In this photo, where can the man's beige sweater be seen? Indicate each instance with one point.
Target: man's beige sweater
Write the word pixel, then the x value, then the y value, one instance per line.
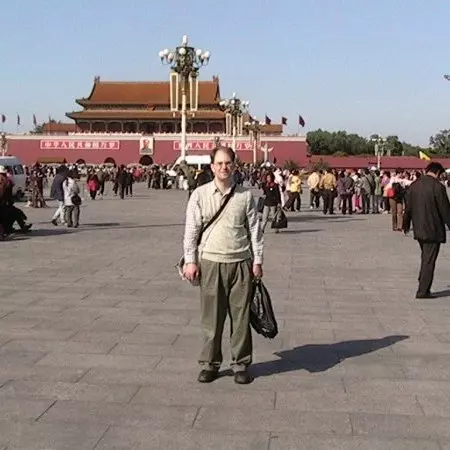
pixel 235 236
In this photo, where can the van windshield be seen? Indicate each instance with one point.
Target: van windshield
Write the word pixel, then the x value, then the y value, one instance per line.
pixel 18 170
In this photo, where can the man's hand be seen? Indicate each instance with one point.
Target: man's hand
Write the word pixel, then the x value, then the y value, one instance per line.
pixel 191 271
pixel 257 271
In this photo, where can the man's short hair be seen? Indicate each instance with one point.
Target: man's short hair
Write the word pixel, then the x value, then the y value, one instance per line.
pixel 435 167
pixel 229 151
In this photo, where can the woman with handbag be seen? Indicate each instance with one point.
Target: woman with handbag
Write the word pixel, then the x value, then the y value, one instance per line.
pixel 272 199
pixel 72 201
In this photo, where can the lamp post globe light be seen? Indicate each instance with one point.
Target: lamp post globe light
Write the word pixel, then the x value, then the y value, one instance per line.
pixel 234 108
pixel 254 130
pixel 186 61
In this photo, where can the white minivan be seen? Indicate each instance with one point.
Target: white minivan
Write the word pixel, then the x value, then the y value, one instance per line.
pixel 17 172
pixel 194 160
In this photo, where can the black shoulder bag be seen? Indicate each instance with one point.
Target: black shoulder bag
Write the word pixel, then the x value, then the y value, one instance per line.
pixel 180 264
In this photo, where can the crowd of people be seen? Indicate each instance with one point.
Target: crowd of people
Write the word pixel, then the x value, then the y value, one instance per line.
pixel 366 191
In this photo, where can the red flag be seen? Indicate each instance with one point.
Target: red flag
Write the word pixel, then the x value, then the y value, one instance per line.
pixel 301 121
pixel 267 120
pixel 3 118
pixel 34 120
pixel 18 120
pixel 283 121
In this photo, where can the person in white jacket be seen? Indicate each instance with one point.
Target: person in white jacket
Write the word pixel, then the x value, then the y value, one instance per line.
pixel 72 201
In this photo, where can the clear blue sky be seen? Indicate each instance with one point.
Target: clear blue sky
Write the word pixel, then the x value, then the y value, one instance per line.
pixel 359 65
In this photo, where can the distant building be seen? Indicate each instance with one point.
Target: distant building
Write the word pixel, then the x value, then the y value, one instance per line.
pixel 147 107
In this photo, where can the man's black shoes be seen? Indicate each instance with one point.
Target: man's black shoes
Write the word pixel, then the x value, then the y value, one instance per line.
pixel 242 377
pixel 207 376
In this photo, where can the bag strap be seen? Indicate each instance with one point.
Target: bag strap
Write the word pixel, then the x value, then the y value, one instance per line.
pixel 216 215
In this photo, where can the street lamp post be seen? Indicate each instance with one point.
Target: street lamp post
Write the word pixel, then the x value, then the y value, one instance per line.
pixel 186 61
pixel 379 147
pixel 234 109
pixel 3 143
pixel 254 130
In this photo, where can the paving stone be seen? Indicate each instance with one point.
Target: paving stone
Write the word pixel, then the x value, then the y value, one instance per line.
pixel 120 438
pixel 122 327
pixel 298 442
pixel 68 391
pixel 199 396
pixel 400 426
pixel 163 417
pixel 246 419
pixel 47 346
pixel 89 360
pixel 48 436
pixel 15 409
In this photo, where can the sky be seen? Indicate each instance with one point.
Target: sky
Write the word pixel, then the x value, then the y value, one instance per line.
pixel 356 65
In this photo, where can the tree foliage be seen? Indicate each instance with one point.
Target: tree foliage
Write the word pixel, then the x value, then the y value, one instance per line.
pixel 440 143
pixel 341 143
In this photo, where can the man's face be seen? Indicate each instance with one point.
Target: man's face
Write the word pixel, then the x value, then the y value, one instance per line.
pixel 222 167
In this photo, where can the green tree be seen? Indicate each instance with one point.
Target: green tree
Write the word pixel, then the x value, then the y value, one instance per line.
pixel 440 143
pixel 38 129
pixel 319 142
pixel 393 146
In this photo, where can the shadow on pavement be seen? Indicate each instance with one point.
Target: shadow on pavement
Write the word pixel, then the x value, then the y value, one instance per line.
pixel 313 230
pixel 441 294
pixel 321 357
pixel 320 217
pixel 46 232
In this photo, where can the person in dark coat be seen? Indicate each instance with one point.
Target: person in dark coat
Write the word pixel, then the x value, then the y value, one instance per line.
pixel 57 193
pixel 428 208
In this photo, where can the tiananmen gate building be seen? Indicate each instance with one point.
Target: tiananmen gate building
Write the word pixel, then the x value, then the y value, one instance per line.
pixel 123 122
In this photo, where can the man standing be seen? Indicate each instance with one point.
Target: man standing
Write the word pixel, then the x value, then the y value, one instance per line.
pixel 229 256
pixel 367 190
pixel 428 207
pixel 313 186
pixel 328 187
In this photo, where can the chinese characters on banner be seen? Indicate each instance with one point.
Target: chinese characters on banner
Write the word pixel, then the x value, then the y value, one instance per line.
pixel 209 145
pixel 58 144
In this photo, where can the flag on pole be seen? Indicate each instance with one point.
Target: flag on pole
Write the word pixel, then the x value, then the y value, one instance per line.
pixel 18 120
pixel 34 120
pixel 424 156
pixel 3 118
pixel 283 121
pixel 268 120
pixel 301 121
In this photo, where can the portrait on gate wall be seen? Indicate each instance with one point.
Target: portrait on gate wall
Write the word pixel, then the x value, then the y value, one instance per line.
pixel 146 146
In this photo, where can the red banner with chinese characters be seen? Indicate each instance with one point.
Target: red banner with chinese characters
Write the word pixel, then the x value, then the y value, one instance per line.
pixel 61 144
pixel 209 145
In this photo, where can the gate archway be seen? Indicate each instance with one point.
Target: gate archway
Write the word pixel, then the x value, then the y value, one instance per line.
pixel 146 160
pixel 110 160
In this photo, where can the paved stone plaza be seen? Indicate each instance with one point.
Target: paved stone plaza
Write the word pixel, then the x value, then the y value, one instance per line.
pixel 99 339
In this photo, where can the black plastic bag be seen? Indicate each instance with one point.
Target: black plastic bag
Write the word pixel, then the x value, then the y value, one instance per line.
pixel 262 317
pixel 279 221
pixel 260 204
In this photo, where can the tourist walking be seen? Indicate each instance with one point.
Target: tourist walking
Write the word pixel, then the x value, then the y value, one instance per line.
pixel 229 256
pixel 272 200
pixel 428 208
pixel 57 193
pixel 72 201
